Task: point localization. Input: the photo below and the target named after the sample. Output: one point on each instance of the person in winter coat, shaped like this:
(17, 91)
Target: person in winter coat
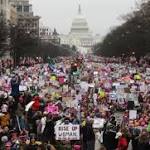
(109, 140)
(15, 82)
(143, 141)
(98, 139)
(36, 105)
(42, 124)
(88, 136)
(48, 134)
(122, 143)
(135, 138)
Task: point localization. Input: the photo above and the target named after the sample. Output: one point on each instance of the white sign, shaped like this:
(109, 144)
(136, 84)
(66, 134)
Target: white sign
(113, 96)
(22, 88)
(132, 114)
(84, 86)
(98, 123)
(148, 71)
(67, 132)
(119, 118)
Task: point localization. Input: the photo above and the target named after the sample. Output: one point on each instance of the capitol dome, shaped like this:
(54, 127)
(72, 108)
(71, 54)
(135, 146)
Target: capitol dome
(80, 34)
(79, 24)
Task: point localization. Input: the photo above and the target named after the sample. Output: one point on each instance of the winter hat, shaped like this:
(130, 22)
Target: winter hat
(77, 147)
(8, 144)
(4, 139)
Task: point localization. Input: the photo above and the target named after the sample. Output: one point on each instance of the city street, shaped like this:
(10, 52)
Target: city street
(74, 75)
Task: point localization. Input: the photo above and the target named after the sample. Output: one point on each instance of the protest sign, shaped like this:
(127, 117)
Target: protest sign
(91, 85)
(132, 114)
(67, 132)
(84, 86)
(133, 97)
(65, 88)
(22, 88)
(52, 109)
(119, 118)
(116, 84)
(98, 123)
(113, 96)
(147, 71)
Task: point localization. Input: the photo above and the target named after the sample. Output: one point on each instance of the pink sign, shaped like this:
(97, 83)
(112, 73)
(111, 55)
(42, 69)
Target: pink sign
(52, 109)
(61, 80)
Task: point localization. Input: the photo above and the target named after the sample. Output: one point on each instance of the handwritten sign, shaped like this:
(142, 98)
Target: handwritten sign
(67, 132)
(52, 109)
(119, 118)
(98, 123)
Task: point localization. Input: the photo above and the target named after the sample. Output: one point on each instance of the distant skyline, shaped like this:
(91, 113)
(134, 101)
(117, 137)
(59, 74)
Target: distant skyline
(100, 14)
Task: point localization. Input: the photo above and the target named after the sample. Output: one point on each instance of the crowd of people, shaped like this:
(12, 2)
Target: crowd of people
(107, 97)
(9, 63)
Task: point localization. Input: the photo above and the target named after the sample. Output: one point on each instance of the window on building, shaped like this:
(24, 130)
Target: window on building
(26, 8)
(19, 8)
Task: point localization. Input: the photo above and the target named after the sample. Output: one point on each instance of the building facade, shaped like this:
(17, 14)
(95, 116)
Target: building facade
(5, 9)
(80, 34)
(8, 12)
(25, 16)
(45, 33)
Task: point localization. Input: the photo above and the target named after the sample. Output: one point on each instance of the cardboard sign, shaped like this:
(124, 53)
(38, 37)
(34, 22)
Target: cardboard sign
(132, 114)
(67, 132)
(119, 118)
(22, 88)
(98, 123)
(91, 85)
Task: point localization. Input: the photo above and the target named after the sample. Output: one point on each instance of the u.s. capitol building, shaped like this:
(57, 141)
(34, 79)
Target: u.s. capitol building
(80, 34)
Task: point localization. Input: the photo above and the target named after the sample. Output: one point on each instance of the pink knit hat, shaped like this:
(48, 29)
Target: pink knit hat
(77, 147)
(8, 144)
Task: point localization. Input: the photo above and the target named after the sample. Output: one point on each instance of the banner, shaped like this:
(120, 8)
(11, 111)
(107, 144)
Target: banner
(67, 132)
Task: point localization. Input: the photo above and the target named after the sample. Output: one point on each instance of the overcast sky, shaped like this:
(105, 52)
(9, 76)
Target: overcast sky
(100, 14)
